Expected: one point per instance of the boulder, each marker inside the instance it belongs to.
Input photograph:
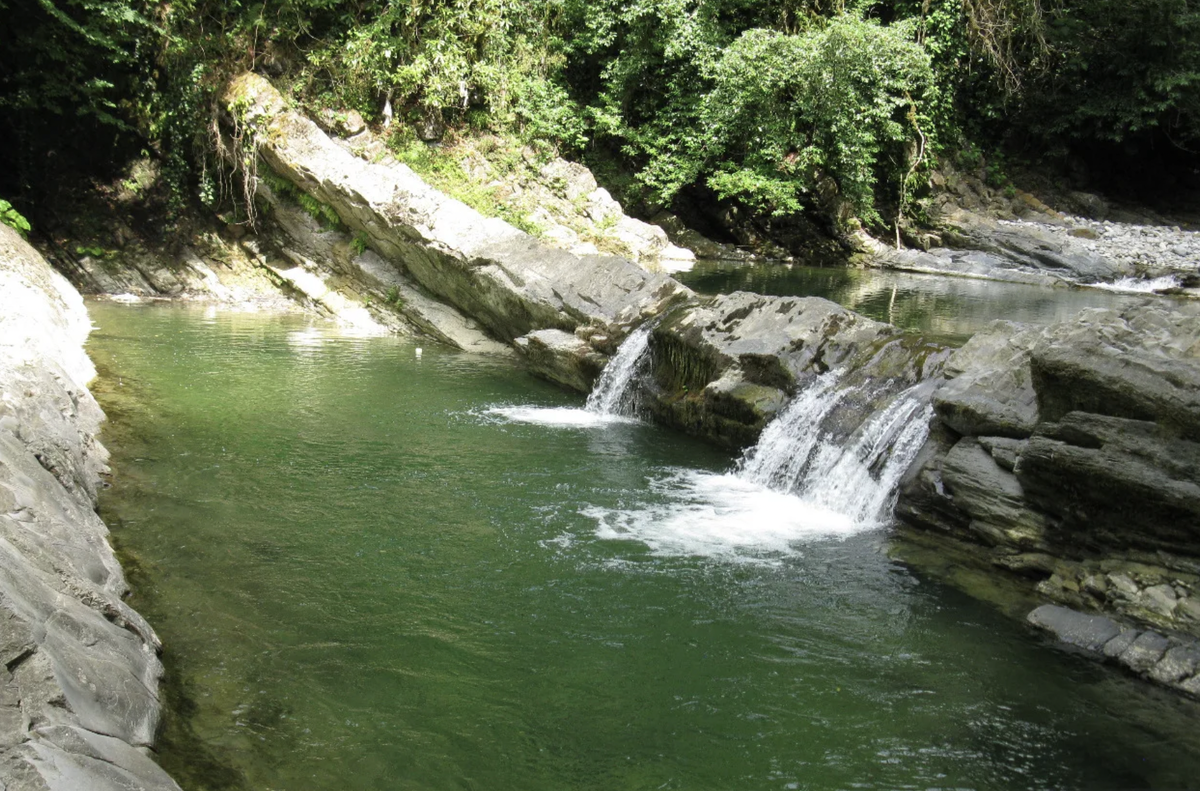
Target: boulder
(508, 281)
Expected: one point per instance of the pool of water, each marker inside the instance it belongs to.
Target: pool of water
(370, 572)
(950, 309)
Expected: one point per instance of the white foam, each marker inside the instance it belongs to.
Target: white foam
(725, 517)
(558, 417)
(1136, 285)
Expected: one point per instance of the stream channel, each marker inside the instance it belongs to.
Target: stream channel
(370, 574)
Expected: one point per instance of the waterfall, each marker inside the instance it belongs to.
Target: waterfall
(826, 467)
(855, 476)
(615, 393)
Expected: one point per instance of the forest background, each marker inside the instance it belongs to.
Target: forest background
(766, 106)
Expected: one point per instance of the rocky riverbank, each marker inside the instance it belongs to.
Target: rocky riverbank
(1012, 236)
(79, 704)
(1068, 459)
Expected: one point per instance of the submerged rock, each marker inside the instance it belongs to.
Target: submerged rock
(79, 702)
(1172, 661)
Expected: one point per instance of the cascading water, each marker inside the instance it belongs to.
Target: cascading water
(615, 393)
(803, 480)
(614, 399)
(823, 467)
(856, 476)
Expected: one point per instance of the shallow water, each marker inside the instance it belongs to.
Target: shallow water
(370, 576)
(950, 309)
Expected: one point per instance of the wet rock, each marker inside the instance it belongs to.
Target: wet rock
(562, 357)
(1121, 643)
(721, 367)
(1144, 652)
(1077, 441)
(1089, 632)
(1177, 663)
(76, 659)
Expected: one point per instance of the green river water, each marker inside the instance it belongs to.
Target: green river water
(949, 309)
(366, 580)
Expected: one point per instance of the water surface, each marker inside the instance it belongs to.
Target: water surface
(950, 309)
(367, 577)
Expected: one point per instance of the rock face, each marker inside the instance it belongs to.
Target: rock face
(1070, 456)
(724, 367)
(78, 689)
(1172, 661)
(507, 281)
(1011, 235)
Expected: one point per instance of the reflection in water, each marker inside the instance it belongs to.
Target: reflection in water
(951, 309)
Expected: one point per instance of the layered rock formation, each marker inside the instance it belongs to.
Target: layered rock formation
(1070, 456)
(504, 279)
(78, 687)
(724, 367)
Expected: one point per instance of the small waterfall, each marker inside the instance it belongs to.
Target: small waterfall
(857, 476)
(786, 446)
(615, 393)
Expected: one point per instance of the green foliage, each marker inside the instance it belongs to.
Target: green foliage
(772, 104)
(13, 218)
(360, 243)
(839, 101)
(1119, 70)
(442, 168)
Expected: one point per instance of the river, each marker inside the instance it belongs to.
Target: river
(946, 309)
(368, 575)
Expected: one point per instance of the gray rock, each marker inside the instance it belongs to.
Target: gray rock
(1114, 484)
(990, 389)
(497, 275)
(1144, 652)
(993, 498)
(1178, 663)
(1004, 450)
(721, 366)
(1121, 643)
(1089, 632)
(561, 357)
(79, 692)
